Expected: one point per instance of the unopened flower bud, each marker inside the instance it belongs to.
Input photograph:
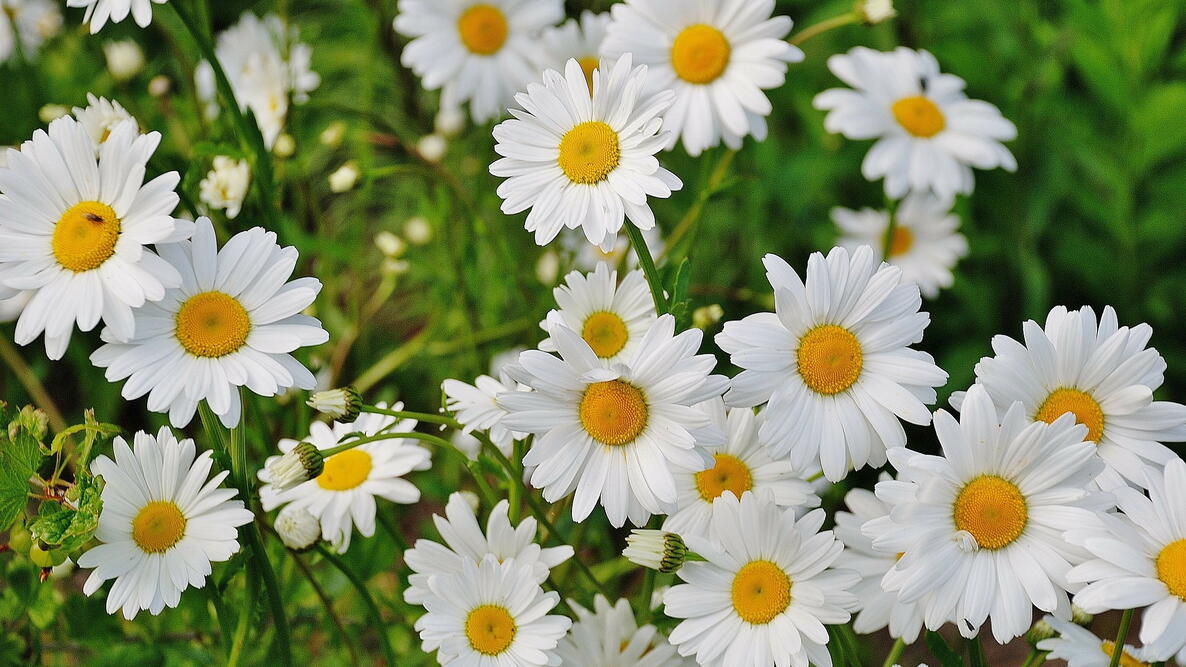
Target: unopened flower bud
(875, 11)
(125, 59)
(1039, 631)
(298, 465)
(1080, 617)
(432, 147)
(345, 178)
(285, 146)
(343, 404)
(389, 244)
(333, 134)
(656, 549)
(159, 85)
(706, 316)
(418, 230)
(297, 528)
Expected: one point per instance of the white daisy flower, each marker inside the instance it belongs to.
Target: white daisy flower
(99, 12)
(1139, 560)
(74, 226)
(617, 434)
(1079, 647)
(478, 51)
(342, 497)
(834, 361)
(580, 41)
(162, 523)
(925, 243)
(608, 636)
(1101, 373)
(584, 161)
(611, 318)
(983, 524)
(492, 613)
(477, 408)
(232, 322)
(765, 590)
(586, 256)
(297, 528)
(30, 21)
(225, 185)
(717, 55)
(741, 464)
(100, 117)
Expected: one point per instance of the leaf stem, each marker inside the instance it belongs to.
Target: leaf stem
(648, 266)
(895, 653)
(368, 601)
(1121, 637)
(823, 26)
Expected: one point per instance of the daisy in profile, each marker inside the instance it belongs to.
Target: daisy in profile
(741, 464)
(99, 12)
(608, 636)
(717, 55)
(1079, 647)
(491, 613)
(616, 435)
(343, 496)
(1138, 559)
(30, 21)
(612, 318)
(584, 160)
(765, 590)
(1098, 371)
(477, 408)
(925, 244)
(100, 117)
(477, 51)
(577, 40)
(981, 527)
(233, 321)
(834, 362)
(929, 134)
(162, 523)
(74, 227)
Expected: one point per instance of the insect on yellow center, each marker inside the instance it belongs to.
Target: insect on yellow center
(606, 333)
(483, 29)
(761, 591)
(919, 116)
(700, 54)
(490, 629)
(901, 241)
(212, 324)
(613, 412)
(589, 152)
(992, 509)
(829, 359)
(729, 473)
(1171, 567)
(1126, 659)
(85, 236)
(345, 470)
(588, 66)
(1079, 403)
(158, 526)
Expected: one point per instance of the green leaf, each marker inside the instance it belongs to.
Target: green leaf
(71, 527)
(944, 653)
(91, 429)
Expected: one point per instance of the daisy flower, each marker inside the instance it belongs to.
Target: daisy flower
(741, 464)
(30, 21)
(717, 55)
(983, 524)
(232, 322)
(1101, 373)
(225, 185)
(98, 12)
(100, 117)
(737, 604)
(1079, 647)
(74, 227)
(925, 243)
(342, 497)
(616, 434)
(1138, 559)
(579, 41)
(584, 160)
(491, 613)
(162, 523)
(834, 362)
(929, 134)
(476, 407)
(608, 636)
(611, 318)
(478, 51)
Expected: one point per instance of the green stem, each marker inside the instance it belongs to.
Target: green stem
(824, 26)
(693, 215)
(887, 242)
(329, 607)
(976, 652)
(241, 629)
(644, 596)
(427, 417)
(410, 435)
(895, 653)
(1035, 658)
(368, 601)
(272, 588)
(648, 266)
(1121, 637)
(28, 379)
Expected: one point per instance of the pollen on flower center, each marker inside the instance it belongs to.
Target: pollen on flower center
(829, 359)
(700, 54)
(345, 470)
(588, 66)
(728, 474)
(158, 526)
(85, 236)
(212, 324)
(606, 333)
(1171, 568)
(919, 116)
(1126, 659)
(613, 412)
(589, 152)
(761, 591)
(490, 629)
(483, 29)
(901, 241)
(1086, 409)
(992, 509)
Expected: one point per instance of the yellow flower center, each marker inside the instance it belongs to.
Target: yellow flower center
(606, 333)
(483, 29)
(761, 591)
(1126, 659)
(158, 526)
(700, 53)
(1171, 567)
(728, 474)
(345, 470)
(992, 509)
(901, 241)
(613, 412)
(85, 236)
(490, 629)
(589, 152)
(829, 359)
(1079, 403)
(588, 66)
(212, 324)
(919, 116)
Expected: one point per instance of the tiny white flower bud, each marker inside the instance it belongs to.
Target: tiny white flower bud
(345, 178)
(285, 146)
(124, 59)
(706, 316)
(333, 134)
(548, 267)
(655, 549)
(450, 121)
(418, 230)
(432, 147)
(298, 465)
(389, 244)
(297, 528)
(159, 85)
(342, 404)
(875, 11)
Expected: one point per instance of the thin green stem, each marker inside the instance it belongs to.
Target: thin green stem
(693, 215)
(329, 607)
(272, 588)
(427, 417)
(976, 652)
(648, 266)
(1035, 658)
(824, 26)
(410, 435)
(1121, 637)
(368, 601)
(240, 636)
(28, 379)
(894, 653)
(887, 242)
(644, 596)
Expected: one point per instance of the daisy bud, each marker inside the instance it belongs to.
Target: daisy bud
(1080, 617)
(449, 121)
(124, 59)
(285, 146)
(51, 112)
(344, 404)
(432, 147)
(300, 464)
(1040, 631)
(418, 230)
(875, 11)
(389, 244)
(656, 549)
(345, 178)
(298, 529)
(333, 134)
(706, 316)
